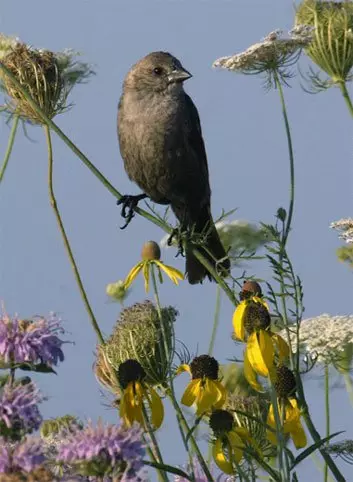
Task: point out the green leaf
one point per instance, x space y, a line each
305 453
193 428
39 368
168 468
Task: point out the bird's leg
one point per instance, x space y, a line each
179 233
129 204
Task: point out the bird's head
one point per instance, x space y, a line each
157 72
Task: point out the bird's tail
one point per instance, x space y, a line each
210 247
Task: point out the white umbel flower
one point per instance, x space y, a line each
324 337
345 228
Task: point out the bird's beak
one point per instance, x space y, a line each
178 75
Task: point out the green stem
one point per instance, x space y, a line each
291 159
154 219
346 96
215 320
315 434
327 409
157 456
279 431
65 238
9 146
349 385
194 445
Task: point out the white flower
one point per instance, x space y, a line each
324 337
274 52
345 228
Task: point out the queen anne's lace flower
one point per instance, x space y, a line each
345 228
324 337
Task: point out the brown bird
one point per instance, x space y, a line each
164 154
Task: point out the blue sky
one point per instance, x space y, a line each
249 170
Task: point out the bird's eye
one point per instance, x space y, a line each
157 70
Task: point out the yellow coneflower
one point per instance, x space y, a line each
151 255
205 390
136 391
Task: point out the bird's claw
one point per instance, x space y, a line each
129 204
176 233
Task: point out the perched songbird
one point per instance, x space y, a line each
164 154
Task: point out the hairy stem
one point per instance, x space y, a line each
68 249
9 146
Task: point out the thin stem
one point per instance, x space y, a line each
327 409
10 144
215 320
349 385
291 159
346 96
65 238
156 452
194 445
279 431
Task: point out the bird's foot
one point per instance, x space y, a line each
129 204
179 235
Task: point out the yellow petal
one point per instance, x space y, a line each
146 275
156 406
281 346
238 321
271 435
219 457
131 405
236 445
183 368
132 274
298 436
260 352
209 396
222 397
174 274
250 375
191 392
262 302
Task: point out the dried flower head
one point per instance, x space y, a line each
7 44
345 228
105 450
138 335
30 341
48 77
332 44
19 413
325 337
274 54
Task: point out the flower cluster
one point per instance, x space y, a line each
345 228
105 450
325 337
21 457
32 341
47 76
19 413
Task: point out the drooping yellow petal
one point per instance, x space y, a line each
236 445
222 394
183 368
133 273
131 404
210 394
298 435
271 434
260 352
156 406
174 274
146 275
250 375
281 347
238 321
220 459
191 392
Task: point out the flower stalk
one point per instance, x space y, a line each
10 145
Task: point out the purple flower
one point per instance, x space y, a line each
18 409
31 341
22 457
105 450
